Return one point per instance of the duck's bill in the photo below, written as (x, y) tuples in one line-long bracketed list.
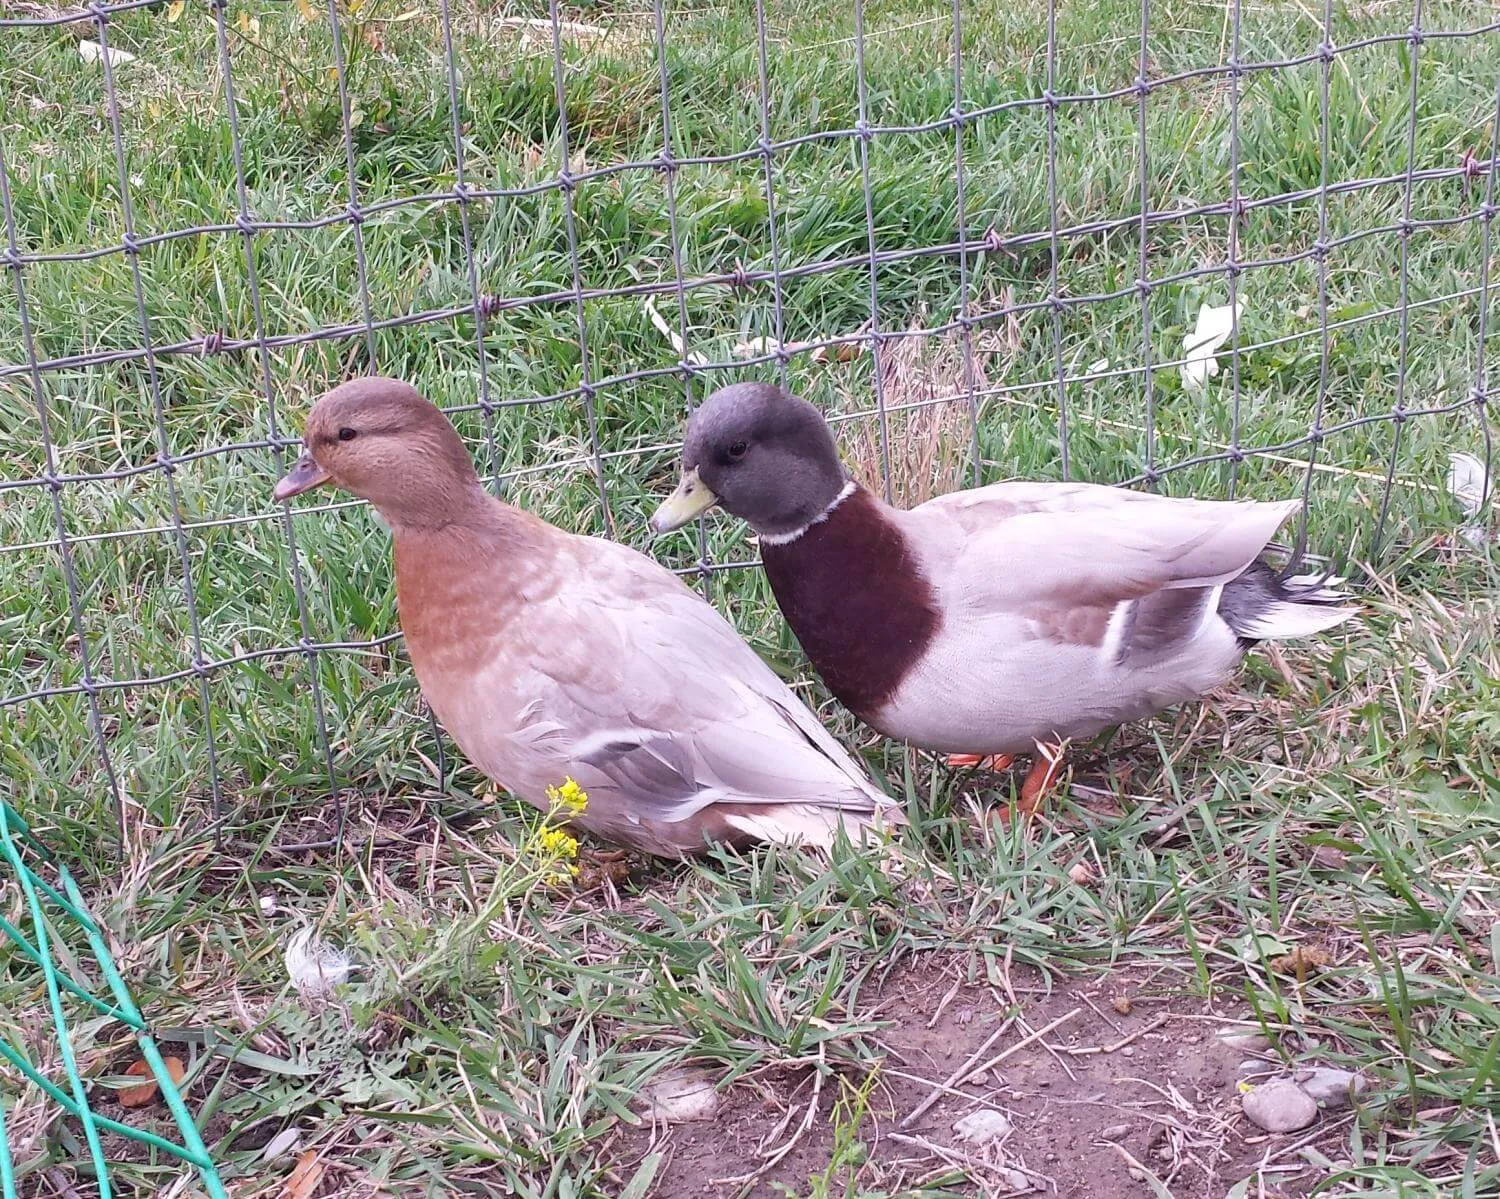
[(690, 501), (304, 476)]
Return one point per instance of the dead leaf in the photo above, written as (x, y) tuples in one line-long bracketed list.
[(1468, 480), (844, 351), (1302, 960), (94, 52), (672, 336), (1326, 857), (1011, 337), (144, 1093), (1215, 326), (174, 10), (1081, 873), (304, 1178)]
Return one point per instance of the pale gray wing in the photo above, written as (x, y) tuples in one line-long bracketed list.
[(1021, 544), (674, 712)]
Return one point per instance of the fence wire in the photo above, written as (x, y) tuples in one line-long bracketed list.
[(975, 242)]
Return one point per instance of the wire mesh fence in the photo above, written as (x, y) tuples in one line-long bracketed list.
[(568, 226), (57, 904)]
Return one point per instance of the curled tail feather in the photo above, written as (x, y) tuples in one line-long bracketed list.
[(1261, 605)]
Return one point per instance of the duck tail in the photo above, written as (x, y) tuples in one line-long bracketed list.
[(1261, 605)]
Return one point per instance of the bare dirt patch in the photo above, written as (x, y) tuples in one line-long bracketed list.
[(1101, 1082)]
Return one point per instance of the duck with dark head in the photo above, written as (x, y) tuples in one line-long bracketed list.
[(998, 620), (550, 656)]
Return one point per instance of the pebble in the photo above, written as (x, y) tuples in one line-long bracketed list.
[(979, 1078), (1127, 1052), (1016, 1181), (677, 1096), (1279, 1106), (1115, 1132), (982, 1127), (1328, 1087), (1245, 1042)]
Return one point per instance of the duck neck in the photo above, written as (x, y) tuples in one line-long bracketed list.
[(853, 591), (438, 505), (461, 583), (791, 535)]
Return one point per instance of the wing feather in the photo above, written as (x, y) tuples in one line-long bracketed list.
[(1091, 545), (690, 715)]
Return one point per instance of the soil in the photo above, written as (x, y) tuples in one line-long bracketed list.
[(1173, 1088)]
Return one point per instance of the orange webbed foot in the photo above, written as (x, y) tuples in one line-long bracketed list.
[(991, 762)]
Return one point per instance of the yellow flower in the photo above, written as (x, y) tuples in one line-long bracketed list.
[(555, 843), (557, 849), (569, 798)]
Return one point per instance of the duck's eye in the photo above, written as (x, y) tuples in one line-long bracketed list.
[(738, 449), (347, 434)]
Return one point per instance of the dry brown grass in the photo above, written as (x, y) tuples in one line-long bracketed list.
[(926, 391)]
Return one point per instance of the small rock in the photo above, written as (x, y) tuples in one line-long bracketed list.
[(1328, 1087), (1115, 1132), (1015, 1180), (678, 1096), (1254, 1067), (1279, 1106), (979, 1078), (1128, 1051), (1081, 873), (1243, 1041), (983, 1126)]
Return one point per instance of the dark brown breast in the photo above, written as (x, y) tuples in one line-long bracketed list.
[(854, 594)]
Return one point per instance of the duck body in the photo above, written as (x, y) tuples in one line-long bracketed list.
[(547, 655), (990, 620)]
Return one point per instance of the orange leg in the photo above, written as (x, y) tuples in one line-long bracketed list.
[(995, 762), (1045, 768)]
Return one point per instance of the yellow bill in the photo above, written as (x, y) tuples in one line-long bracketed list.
[(691, 500)]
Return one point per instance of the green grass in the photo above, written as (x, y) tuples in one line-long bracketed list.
[(500, 1027)]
